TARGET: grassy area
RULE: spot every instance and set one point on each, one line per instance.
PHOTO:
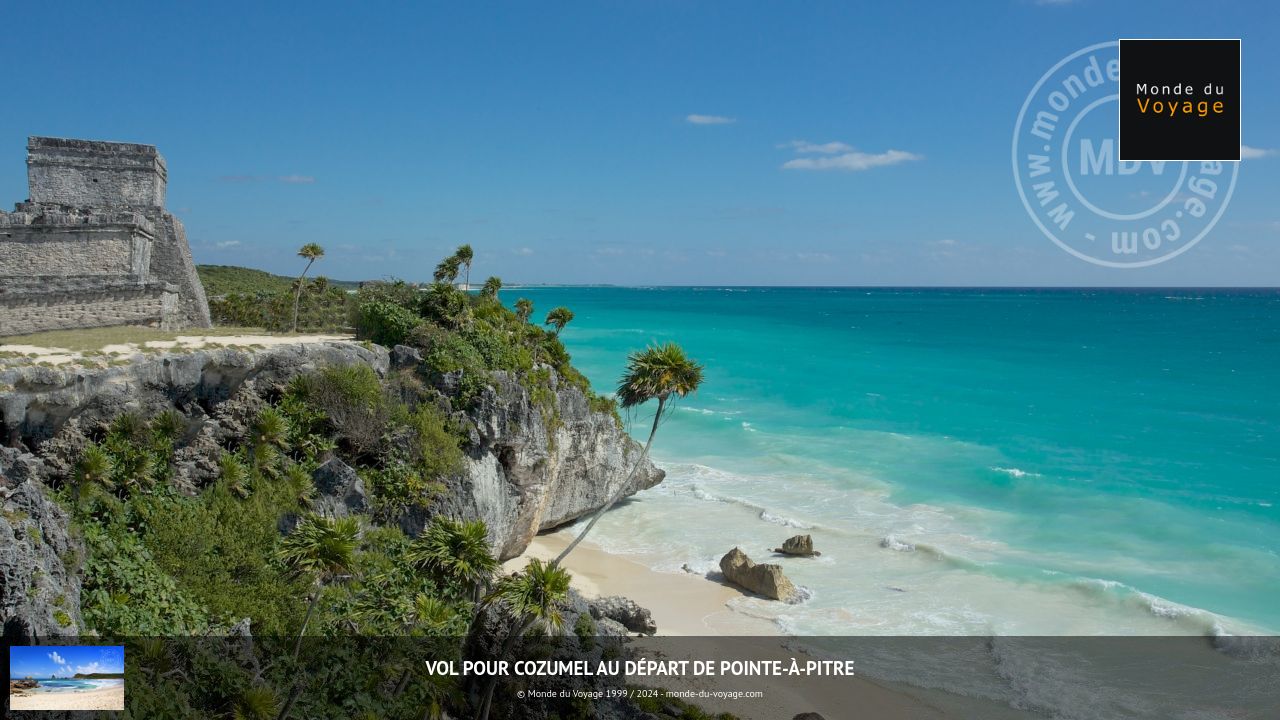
(222, 280)
(89, 339)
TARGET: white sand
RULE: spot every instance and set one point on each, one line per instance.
(684, 604)
(108, 698)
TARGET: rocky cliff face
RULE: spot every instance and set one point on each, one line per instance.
(532, 463)
(537, 464)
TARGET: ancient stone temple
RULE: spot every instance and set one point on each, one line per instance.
(93, 245)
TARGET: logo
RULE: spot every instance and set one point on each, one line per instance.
(1107, 211)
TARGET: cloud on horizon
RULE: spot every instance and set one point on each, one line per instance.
(709, 119)
(806, 147)
(842, 156)
(1253, 153)
(286, 179)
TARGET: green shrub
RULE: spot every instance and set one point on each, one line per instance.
(398, 487)
(220, 549)
(435, 442)
(352, 401)
(385, 323)
(126, 593)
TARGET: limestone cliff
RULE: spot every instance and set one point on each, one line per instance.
(534, 460)
(536, 465)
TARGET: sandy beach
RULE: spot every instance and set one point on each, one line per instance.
(108, 698)
(693, 608)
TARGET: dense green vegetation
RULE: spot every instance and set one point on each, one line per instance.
(164, 561)
(219, 280)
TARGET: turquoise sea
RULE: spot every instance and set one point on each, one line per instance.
(968, 461)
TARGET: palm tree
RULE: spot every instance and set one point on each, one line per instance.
(464, 256)
(456, 551)
(491, 288)
(311, 252)
(659, 372)
(448, 269)
(558, 318)
(323, 548)
(532, 595)
(524, 308)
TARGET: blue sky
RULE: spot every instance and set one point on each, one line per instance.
(557, 139)
(43, 661)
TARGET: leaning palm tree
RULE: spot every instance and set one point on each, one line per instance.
(531, 596)
(448, 269)
(311, 252)
(323, 548)
(659, 372)
(456, 552)
(465, 256)
(558, 318)
(491, 288)
(524, 308)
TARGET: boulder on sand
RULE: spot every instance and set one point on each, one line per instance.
(801, 545)
(760, 578)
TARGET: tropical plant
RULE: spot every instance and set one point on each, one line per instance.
(659, 372)
(256, 703)
(456, 552)
(322, 548)
(312, 252)
(491, 288)
(524, 309)
(531, 596)
(558, 318)
(448, 269)
(464, 256)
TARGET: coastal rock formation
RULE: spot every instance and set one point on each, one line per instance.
(339, 490)
(93, 245)
(799, 545)
(531, 464)
(760, 578)
(36, 402)
(624, 611)
(535, 464)
(39, 558)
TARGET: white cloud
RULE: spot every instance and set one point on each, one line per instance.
(524, 251)
(297, 179)
(226, 244)
(709, 119)
(54, 656)
(853, 161)
(1253, 153)
(806, 147)
(93, 667)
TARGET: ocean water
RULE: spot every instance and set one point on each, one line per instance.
(66, 685)
(1018, 462)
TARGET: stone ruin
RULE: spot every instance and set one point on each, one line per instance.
(93, 245)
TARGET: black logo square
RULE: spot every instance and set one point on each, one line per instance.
(1179, 100)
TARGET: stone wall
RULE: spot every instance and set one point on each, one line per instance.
(94, 245)
(150, 305)
(115, 247)
(87, 173)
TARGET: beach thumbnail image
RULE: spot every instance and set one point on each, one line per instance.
(66, 677)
